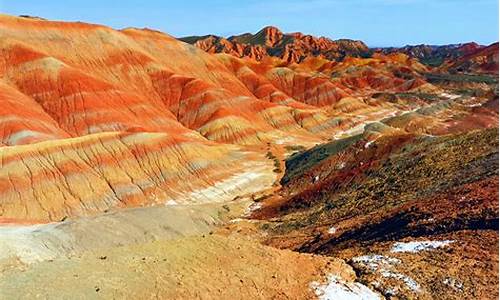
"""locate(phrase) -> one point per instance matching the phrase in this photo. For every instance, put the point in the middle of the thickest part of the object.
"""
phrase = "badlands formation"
(137, 165)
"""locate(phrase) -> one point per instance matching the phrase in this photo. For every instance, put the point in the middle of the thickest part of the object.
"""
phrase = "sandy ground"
(32, 243)
(198, 267)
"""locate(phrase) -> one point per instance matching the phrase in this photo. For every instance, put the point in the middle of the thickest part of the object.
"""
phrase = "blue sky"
(377, 22)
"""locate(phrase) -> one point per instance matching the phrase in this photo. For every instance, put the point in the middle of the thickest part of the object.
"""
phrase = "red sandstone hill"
(152, 82)
(270, 41)
(480, 60)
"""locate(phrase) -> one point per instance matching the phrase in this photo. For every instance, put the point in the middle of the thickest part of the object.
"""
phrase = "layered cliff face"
(270, 41)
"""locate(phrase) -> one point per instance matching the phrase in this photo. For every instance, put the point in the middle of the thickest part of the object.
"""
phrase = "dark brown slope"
(401, 192)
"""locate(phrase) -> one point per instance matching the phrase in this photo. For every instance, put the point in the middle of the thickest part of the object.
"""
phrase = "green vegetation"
(193, 39)
(419, 169)
(471, 92)
(476, 78)
(424, 96)
(298, 163)
(432, 61)
(295, 148)
(277, 164)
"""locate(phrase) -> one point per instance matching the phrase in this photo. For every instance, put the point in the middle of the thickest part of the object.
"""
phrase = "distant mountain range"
(270, 41)
(296, 47)
(434, 55)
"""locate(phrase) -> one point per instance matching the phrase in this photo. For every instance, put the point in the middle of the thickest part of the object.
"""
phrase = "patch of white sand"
(337, 289)
(358, 129)
(385, 266)
(237, 220)
(418, 246)
(450, 96)
(332, 230)
(374, 261)
(454, 283)
(368, 144)
(19, 136)
(474, 105)
(253, 207)
(21, 241)
(368, 119)
(247, 182)
(410, 283)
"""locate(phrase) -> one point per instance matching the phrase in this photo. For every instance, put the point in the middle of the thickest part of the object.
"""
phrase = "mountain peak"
(270, 28)
(269, 36)
(272, 35)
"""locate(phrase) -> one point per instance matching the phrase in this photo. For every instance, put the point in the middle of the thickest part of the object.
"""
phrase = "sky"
(376, 22)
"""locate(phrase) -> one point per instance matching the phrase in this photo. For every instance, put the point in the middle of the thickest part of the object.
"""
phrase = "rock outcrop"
(270, 41)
